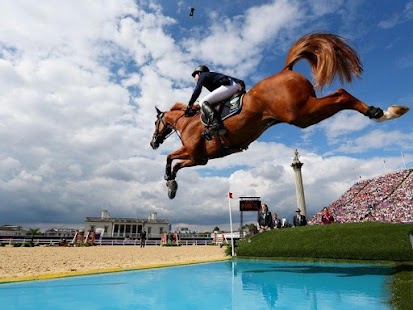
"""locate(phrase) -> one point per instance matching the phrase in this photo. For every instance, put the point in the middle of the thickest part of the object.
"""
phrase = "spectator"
(264, 219)
(389, 198)
(143, 238)
(276, 222)
(327, 217)
(298, 219)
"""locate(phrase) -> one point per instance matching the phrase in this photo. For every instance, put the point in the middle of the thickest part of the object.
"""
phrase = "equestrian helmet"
(200, 68)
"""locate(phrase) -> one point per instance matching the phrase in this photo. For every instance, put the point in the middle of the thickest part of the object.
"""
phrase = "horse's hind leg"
(372, 112)
(318, 109)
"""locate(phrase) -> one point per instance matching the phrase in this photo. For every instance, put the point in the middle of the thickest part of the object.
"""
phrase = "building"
(126, 227)
(12, 230)
(60, 232)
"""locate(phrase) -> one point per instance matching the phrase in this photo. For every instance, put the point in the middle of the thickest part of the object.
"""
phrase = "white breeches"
(221, 93)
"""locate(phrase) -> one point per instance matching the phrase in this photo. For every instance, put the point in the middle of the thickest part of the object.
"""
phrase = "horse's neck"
(177, 120)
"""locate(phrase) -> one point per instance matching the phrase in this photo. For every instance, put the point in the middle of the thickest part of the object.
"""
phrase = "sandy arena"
(21, 264)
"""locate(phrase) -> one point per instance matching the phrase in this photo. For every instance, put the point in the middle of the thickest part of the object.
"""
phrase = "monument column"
(299, 188)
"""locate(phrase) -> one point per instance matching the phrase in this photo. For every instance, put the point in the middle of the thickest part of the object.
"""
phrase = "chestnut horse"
(286, 97)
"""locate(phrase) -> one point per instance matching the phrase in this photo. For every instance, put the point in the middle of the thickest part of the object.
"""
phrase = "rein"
(174, 128)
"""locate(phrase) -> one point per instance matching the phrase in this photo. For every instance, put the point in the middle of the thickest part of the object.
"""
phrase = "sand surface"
(18, 264)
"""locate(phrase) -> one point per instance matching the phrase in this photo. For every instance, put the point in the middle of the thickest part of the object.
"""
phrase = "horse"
(286, 97)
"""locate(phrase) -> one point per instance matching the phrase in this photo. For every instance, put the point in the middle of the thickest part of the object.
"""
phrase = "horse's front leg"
(187, 163)
(168, 170)
(171, 175)
(178, 154)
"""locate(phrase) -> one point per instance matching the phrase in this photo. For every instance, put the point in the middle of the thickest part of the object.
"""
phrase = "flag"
(230, 195)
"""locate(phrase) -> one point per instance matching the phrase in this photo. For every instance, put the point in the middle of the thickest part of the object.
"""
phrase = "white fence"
(111, 242)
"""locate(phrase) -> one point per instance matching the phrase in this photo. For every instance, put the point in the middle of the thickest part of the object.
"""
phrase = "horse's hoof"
(171, 194)
(172, 188)
(398, 110)
(395, 111)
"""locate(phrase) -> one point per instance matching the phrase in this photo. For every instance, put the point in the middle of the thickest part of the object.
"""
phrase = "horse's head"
(162, 130)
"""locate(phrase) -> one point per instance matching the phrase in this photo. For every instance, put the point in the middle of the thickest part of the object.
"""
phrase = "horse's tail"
(329, 56)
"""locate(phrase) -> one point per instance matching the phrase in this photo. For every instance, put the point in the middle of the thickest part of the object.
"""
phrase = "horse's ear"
(158, 111)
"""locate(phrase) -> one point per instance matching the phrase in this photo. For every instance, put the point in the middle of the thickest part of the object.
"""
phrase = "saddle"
(227, 107)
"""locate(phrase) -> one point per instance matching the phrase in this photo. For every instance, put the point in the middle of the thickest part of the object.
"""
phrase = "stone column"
(299, 188)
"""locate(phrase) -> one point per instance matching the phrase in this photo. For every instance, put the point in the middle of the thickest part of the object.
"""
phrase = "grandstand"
(386, 198)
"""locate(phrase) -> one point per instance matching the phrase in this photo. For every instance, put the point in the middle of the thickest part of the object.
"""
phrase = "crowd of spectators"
(386, 198)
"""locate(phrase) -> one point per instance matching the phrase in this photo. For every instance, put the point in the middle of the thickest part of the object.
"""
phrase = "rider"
(221, 87)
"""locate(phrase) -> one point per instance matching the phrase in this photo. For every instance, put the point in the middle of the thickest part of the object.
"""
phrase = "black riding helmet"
(200, 68)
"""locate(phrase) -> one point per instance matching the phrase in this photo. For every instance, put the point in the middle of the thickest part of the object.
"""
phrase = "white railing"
(9, 241)
(111, 242)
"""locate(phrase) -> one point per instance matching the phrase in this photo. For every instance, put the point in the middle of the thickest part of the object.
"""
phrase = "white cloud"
(343, 123)
(376, 139)
(79, 82)
(243, 38)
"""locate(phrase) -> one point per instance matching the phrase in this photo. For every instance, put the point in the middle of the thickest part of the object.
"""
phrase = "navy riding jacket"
(211, 81)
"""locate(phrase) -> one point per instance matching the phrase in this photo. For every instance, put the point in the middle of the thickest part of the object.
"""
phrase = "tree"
(33, 232)
(216, 228)
(250, 229)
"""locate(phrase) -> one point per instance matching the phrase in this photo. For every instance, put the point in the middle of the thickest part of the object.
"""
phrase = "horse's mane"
(178, 106)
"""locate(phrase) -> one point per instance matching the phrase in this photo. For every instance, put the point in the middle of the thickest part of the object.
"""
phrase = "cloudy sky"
(79, 81)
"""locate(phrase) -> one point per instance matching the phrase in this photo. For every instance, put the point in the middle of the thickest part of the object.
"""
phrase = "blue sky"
(79, 81)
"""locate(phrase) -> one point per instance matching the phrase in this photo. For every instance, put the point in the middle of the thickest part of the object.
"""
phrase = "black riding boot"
(213, 120)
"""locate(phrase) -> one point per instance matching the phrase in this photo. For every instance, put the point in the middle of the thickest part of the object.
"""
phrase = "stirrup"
(218, 129)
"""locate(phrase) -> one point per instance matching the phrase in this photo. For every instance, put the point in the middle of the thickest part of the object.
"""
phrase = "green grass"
(368, 242)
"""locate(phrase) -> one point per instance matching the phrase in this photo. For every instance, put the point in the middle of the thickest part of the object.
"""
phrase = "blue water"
(237, 284)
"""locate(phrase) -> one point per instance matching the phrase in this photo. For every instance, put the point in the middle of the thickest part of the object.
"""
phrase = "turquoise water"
(237, 284)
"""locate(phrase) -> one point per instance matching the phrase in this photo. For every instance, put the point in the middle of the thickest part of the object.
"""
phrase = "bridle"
(169, 129)
(161, 137)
